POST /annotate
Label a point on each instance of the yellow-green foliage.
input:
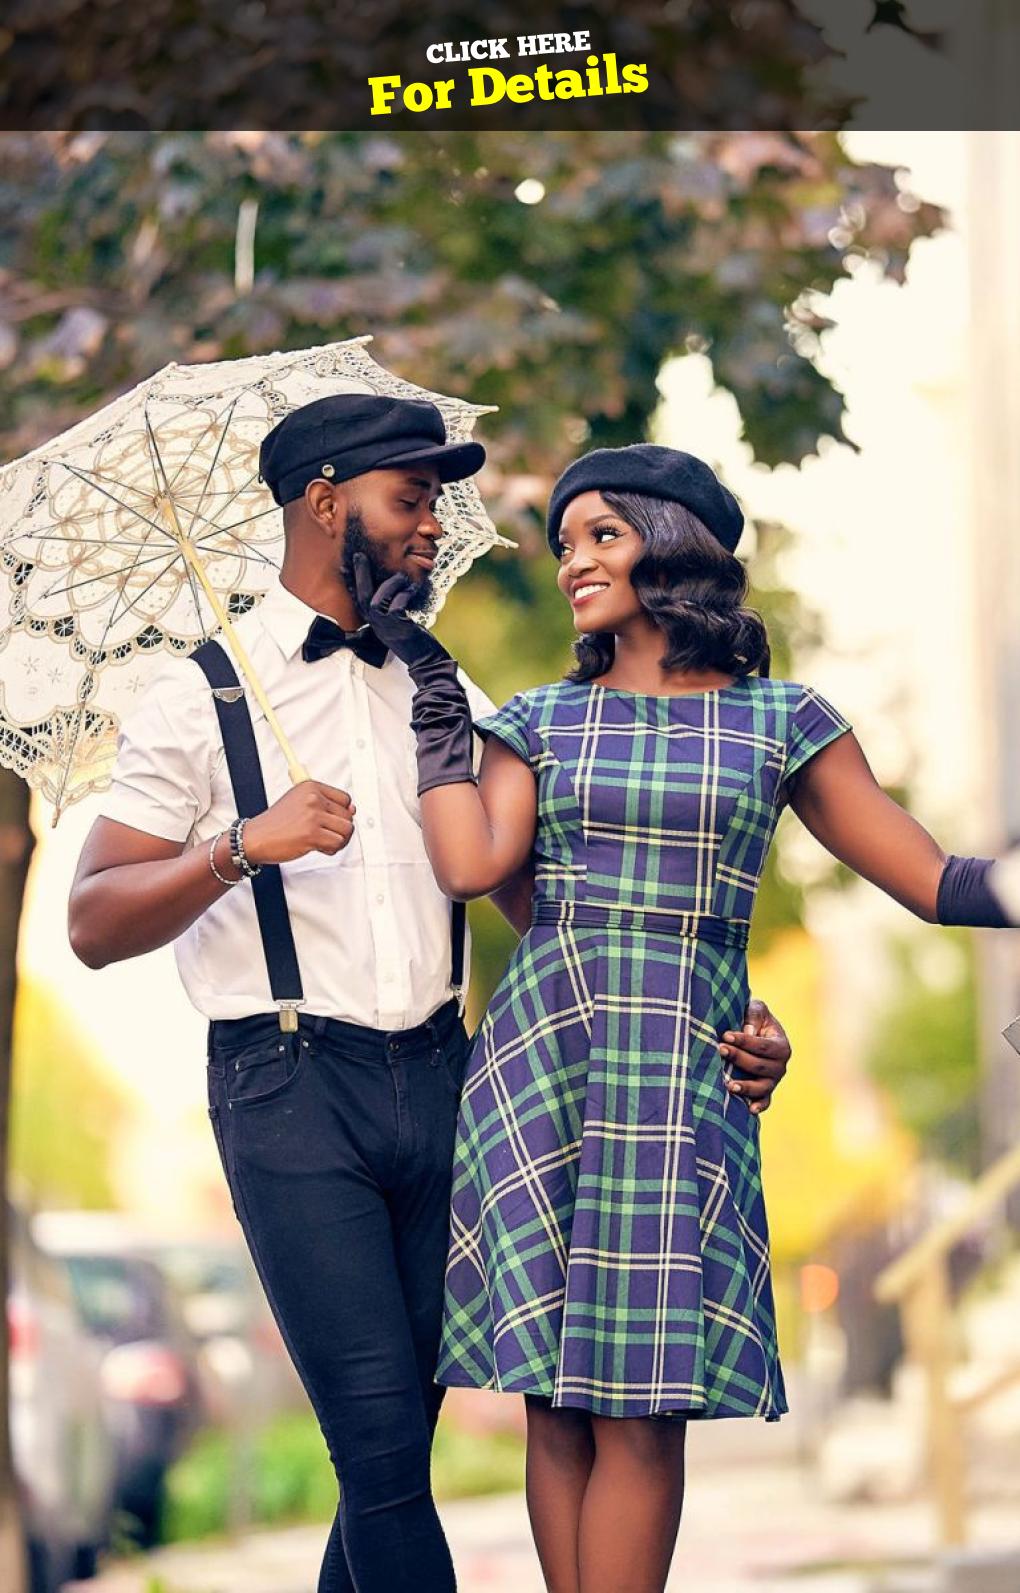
(926, 1047)
(834, 1156)
(66, 1111)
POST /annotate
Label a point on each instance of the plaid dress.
(609, 1245)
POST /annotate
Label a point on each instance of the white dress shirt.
(371, 926)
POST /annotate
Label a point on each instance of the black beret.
(347, 434)
(656, 473)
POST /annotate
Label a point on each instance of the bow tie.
(325, 637)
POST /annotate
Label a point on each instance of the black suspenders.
(458, 934)
(249, 789)
(245, 772)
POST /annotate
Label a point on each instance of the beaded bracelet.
(237, 852)
(212, 861)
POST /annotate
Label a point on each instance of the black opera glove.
(965, 895)
(440, 712)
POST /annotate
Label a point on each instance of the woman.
(609, 1245)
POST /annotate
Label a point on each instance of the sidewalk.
(748, 1528)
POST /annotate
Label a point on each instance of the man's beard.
(357, 540)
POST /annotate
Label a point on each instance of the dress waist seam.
(688, 926)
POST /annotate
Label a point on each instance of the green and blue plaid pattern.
(609, 1244)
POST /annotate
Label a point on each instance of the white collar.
(286, 618)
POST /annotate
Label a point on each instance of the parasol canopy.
(145, 529)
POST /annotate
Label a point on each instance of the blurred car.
(64, 1456)
(228, 1313)
(246, 1374)
(151, 1375)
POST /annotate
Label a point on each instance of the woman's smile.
(586, 590)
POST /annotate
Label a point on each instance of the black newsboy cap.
(657, 473)
(347, 434)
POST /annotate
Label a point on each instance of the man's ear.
(327, 506)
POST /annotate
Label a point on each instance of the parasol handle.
(296, 770)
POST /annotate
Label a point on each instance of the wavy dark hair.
(692, 588)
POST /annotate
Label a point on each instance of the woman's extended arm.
(839, 800)
(479, 836)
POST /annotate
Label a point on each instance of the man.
(334, 1069)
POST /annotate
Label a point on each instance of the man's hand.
(760, 1051)
(311, 817)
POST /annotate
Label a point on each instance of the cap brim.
(453, 461)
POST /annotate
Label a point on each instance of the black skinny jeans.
(337, 1143)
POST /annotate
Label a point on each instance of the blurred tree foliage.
(304, 63)
(119, 252)
(66, 1111)
(926, 1047)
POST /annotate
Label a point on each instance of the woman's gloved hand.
(440, 712)
(385, 608)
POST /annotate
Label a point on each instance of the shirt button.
(371, 823)
(360, 741)
(380, 898)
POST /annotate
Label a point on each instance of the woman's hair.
(692, 588)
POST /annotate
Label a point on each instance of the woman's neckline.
(671, 696)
